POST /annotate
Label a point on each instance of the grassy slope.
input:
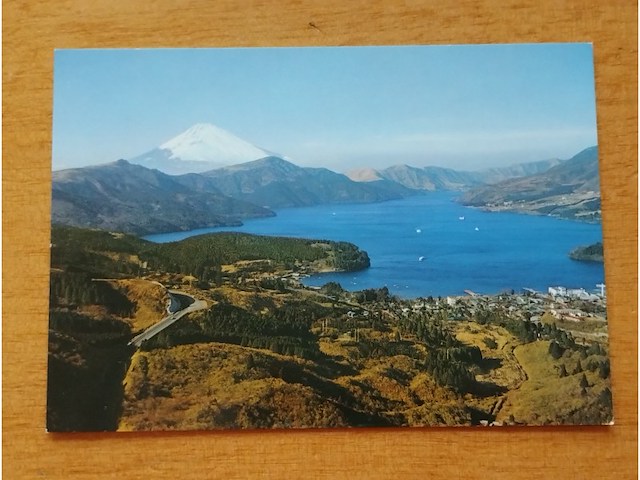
(500, 367)
(207, 386)
(535, 393)
(150, 300)
(213, 385)
(586, 329)
(546, 397)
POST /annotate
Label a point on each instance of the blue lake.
(430, 245)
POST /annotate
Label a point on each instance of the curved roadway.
(192, 305)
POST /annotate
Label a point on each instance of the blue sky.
(343, 107)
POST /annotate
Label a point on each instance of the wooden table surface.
(32, 29)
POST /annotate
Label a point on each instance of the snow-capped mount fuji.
(198, 149)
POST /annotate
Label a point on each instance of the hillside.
(276, 183)
(266, 352)
(499, 174)
(130, 198)
(364, 175)
(105, 289)
(429, 178)
(568, 190)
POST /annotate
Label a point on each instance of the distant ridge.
(438, 178)
(429, 178)
(499, 174)
(278, 183)
(571, 189)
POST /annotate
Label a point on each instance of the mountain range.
(129, 198)
(439, 178)
(152, 193)
(277, 183)
(570, 189)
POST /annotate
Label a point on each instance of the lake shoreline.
(430, 245)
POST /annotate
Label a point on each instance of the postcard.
(261, 238)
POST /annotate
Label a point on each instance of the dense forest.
(286, 331)
(68, 289)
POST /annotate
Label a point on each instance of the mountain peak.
(204, 142)
(366, 174)
(201, 147)
(270, 163)
(273, 161)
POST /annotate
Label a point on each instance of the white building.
(557, 291)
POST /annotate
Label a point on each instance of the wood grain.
(33, 29)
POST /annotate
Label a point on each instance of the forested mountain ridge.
(278, 183)
(130, 198)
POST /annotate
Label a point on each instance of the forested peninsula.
(590, 253)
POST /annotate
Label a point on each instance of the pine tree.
(555, 350)
(592, 366)
(578, 368)
(595, 349)
(605, 369)
(605, 398)
(584, 383)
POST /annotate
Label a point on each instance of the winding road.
(181, 304)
